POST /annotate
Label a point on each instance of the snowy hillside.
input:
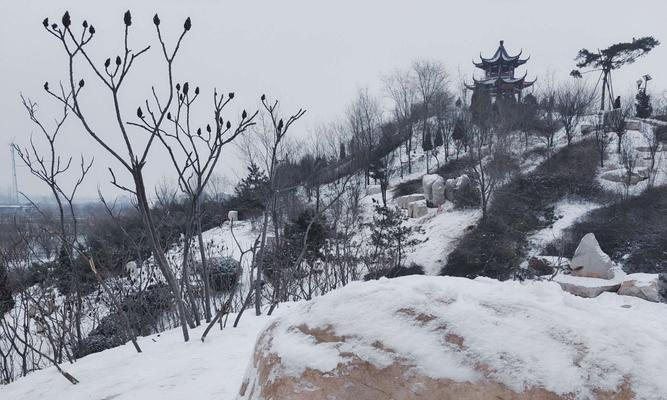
(166, 369)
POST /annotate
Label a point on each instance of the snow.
(528, 334)
(167, 369)
(568, 211)
(442, 228)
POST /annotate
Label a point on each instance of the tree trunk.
(158, 252)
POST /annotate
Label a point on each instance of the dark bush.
(395, 272)
(455, 168)
(497, 244)
(408, 187)
(6, 300)
(467, 197)
(636, 227)
(222, 273)
(143, 311)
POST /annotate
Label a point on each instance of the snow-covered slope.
(167, 369)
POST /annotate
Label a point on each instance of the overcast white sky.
(311, 54)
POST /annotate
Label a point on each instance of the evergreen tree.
(438, 140)
(342, 150)
(643, 106)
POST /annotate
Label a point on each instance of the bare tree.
(401, 87)
(617, 121)
(651, 135)
(363, 118)
(573, 100)
(629, 160)
(602, 140)
(194, 152)
(113, 78)
(431, 78)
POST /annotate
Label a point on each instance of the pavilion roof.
(501, 57)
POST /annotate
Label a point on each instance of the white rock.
(590, 261)
(644, 286)
(590, 287)
(438, 192)
(233, 216)
(450, 189)
(403, 201)
(427, 183)
(373, 189)
(417, 209)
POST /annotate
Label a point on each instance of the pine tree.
(342, 150)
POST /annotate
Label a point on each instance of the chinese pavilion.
(499, 78)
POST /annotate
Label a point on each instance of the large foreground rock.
(590, 261)
(444, 338)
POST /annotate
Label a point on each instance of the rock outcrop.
(427, 185)
(435, 338)
(417, 209)
(590, 261)
(644, 286)
(403, 201)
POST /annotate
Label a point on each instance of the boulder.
(439, 338)
(590, 261)
(438, 192)
(233, 216)
(462, 182)
(403, 201)
(450, 189)
(417, 209)
(632, 125)
(373, 190)
(586, 287)
(427, 184)
(644, 286)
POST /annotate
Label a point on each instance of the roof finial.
(502, 42)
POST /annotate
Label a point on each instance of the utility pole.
(15, 186)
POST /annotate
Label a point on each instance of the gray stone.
(427, 184)
(644, 286)
(417, 209)
(438, 192)
(403, 201)
(590, 261)
(450, 189)
(233, 216)
(589, 290)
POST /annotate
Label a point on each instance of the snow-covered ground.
(167, 369)
(441, 229)
(567, 211)
(576, 351)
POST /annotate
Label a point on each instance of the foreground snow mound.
(439, 338)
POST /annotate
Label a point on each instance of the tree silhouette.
(612, 58)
